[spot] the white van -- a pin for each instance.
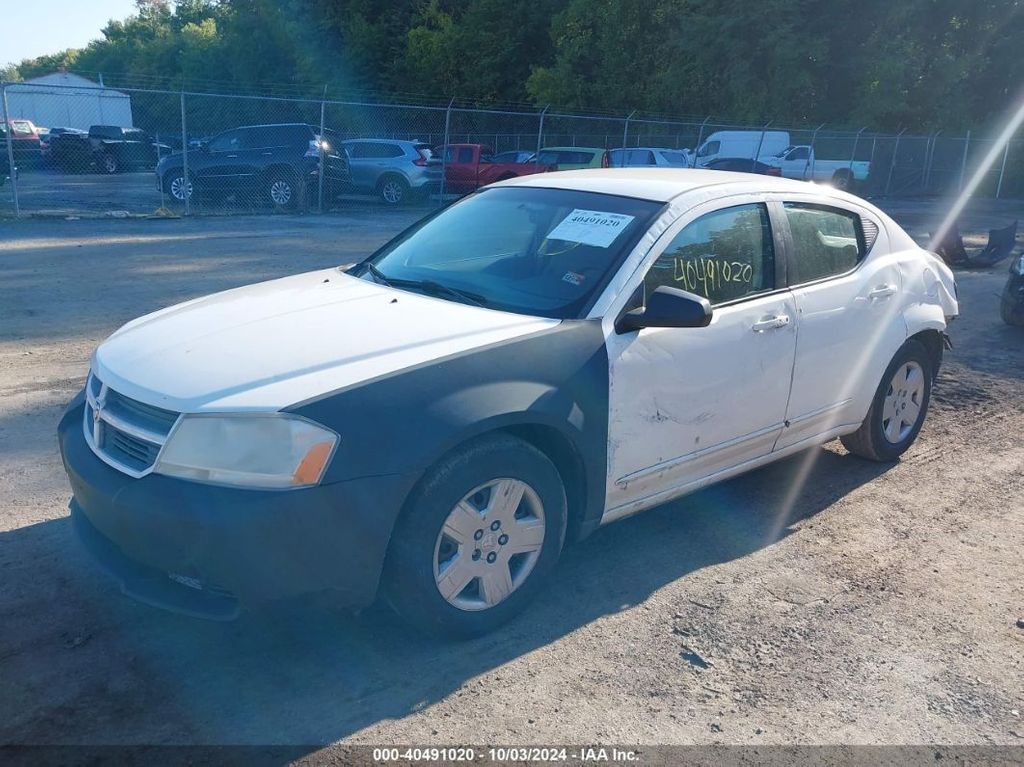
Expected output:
(742, 143)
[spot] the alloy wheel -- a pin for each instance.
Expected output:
(489, 544)
(392, 192)
(281, 192)
(179, 189)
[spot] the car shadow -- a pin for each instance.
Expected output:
(89, 666)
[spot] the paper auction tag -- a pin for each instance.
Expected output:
(590, 227)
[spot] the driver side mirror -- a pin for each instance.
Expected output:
(667, 308)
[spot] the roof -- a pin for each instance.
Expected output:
(659, 184)
(68, 80)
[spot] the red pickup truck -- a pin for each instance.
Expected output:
(471, 166)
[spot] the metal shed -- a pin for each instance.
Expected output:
(66, 100)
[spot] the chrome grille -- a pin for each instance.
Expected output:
(124, 432)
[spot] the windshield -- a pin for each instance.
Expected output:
(542, 252)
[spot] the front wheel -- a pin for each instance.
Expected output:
(898, 408)
(109, 163)
(177, 187)
(477, 539)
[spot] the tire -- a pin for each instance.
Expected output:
(435, 541)
(393, 190)
(885, 433)
(175, 188)
(282, 191)
(109, 163)
(842, 179)
(1011, 307)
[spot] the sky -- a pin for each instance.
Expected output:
(31, 29)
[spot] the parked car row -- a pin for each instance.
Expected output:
(280, 164)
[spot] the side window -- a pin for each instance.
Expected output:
(356, 149)
(709, 148)
(227, 142)
(826, 241)
(465, 154)
(641, 157)
(389, 150)
(723, 255)
(800, 153)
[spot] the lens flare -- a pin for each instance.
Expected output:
(979, 174)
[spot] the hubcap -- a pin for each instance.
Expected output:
(901, 409)
(489, 544)
(392, 191)
(280, 192)
(179, 189)
(110, 163)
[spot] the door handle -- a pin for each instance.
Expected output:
(770, 323)
(232, 156)
(882, 291)
(268, 154)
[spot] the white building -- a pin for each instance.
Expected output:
(69, 101)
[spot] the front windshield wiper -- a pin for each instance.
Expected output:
(430, 286)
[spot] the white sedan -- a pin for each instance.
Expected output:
(545, 356)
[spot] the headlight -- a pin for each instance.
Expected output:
(1017, 267)
(247, 450)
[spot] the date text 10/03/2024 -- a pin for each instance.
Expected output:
(594, 754)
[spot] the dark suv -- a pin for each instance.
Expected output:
(275, 164)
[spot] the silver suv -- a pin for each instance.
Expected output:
(393, 170)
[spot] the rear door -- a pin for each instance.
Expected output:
(847, 291)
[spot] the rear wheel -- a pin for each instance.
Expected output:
(282, 191)
(898, 409)
(842, 179)
(477, 539)
(393, 190)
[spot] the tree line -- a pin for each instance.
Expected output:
(914, 64)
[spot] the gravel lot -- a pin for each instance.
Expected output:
(820, 600)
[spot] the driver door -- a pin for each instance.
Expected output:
(687, 405)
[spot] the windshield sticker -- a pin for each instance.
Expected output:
(590, 227)
(573, 278)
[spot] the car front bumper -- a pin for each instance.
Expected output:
(207, 550)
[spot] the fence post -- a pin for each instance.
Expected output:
(963, 162)
(540, 136)
(186, 181)
(700, 136)
(625, 133)
(814, 138)
(1002, 170)
(892, 162)
(445, 148)
(853, 154)
(757, 154)
(929, 155)
(11, 167)
(321, 152)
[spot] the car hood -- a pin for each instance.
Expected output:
(267, 346)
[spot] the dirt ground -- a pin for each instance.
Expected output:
(823, 599)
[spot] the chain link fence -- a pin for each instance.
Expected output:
(74, 150)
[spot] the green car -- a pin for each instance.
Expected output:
(573, 157)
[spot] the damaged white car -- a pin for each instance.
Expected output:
(545, 356)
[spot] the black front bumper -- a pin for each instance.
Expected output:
(206, 550)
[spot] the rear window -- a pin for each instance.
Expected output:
(562, 157)
(22, 127)
(826, 241)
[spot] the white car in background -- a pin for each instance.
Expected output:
(649, 157)
(801, 163)
(547, 355)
